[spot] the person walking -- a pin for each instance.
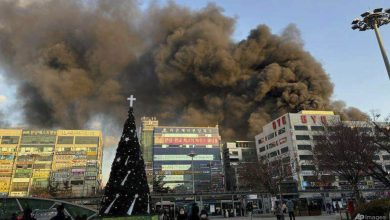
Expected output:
(350, 208)
(290, 209)
(328, 208)
(182, 215)
(194, 212)
(279, 211)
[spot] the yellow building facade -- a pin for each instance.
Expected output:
(50, 163)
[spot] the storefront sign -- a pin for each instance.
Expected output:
(186, 141)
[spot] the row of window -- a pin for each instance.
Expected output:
(384, 157)
(50, 139)
(277, 152)
(272, 135)
(306, 137)
(306, 128)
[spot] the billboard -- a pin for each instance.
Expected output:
(187, 130)
(186, 141)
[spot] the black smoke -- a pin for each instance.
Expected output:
(74, 61)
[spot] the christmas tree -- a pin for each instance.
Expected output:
(127, 190)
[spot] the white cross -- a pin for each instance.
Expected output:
(131, 99)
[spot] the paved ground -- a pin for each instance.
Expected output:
(322, 217)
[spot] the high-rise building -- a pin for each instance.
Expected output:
(235, 155)
(146, 142)
(53, 163)
(291, 138)
(171, 158)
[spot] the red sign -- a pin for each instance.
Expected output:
(313, 118)
(279, 122)
(188, 141)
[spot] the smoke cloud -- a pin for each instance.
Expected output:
(76, 61)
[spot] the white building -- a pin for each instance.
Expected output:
(290, 137)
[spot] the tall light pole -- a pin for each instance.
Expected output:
(373, 20)
(192, 155)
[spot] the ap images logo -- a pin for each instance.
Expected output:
(363, 217)
(359, 217)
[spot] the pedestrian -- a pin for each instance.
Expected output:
(226, 213)
(249, 209)
(194, 212)
(328, 208)
(284, 208)
(350, 208)
(171, 213)
(337, 206)
(290, 209)
(27, 214)
(182, 215)
(60, 213)
(204, 215)
(278, 211)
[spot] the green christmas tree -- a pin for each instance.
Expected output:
(127, 190)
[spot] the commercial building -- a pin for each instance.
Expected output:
(235, 155)
(146, 142)
(171, 149)
(291, 138)
(52, 163)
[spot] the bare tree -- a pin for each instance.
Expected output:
(345, 150)
(266, 174)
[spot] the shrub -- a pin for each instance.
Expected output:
(380, 207)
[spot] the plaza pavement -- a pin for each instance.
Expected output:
(266, 217)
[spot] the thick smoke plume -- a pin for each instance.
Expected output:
(74, 61)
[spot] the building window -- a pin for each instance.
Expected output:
(386, 157)
(284, 150)
(65, 140)
(10, 140)
(376, 157)
(302, 137)
(262, 149)
(270, 136)
(306, 157)
(304, 147)
(316, 137)
(273, 154)
(317, 128)
(87, 140)
(301, 127)
(308, 167)
(387, 167)
(282, 130)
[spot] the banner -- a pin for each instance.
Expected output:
(186, 141)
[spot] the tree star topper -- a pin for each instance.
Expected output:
(131, 99)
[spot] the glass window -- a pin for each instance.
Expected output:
(87, 140)
(316, 137)
(308, 167)
(273, 154)
(317, 128)
(270, 136)
(376, 157)
(10, 140)
(306, 157)
(282, 130)
(65, 140)
(387, 167)
(284, 150)
(302, 137)
(41, 139)
(301, 127)
(304, 147)
(386, 157)
(262, 149)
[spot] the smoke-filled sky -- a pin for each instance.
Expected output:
(73, 63)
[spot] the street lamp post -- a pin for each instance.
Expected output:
(192, 155)
(373, 20)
